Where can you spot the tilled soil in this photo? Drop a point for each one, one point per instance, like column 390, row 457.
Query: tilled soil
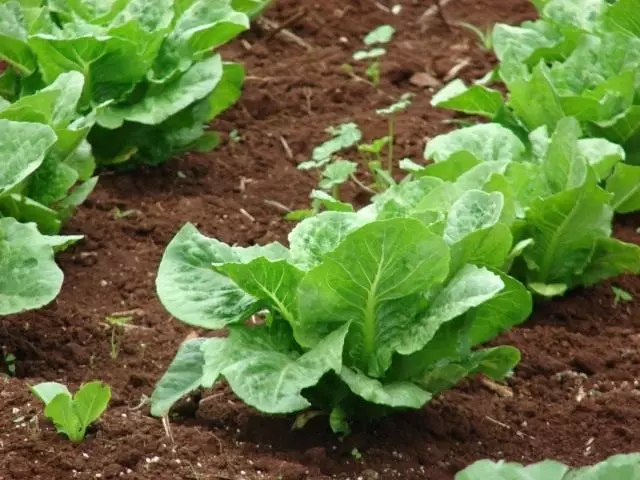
column 574, row 397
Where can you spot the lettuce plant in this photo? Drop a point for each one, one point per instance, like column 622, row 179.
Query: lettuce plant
column 358, row 317
column 549, row 200
column 29, row 276
column 579, row 60
column 72, row 415
column 37, row 165
column 48, row 164
column 150, row 67
column 618, row 467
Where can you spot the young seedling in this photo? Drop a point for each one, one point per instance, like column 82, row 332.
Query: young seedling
column 374, row 40
column 120, row 214
column 620, row 295
column 72, row 415
column 390, row 113
column 485, row 40
column 9, row 361
column 118, row 325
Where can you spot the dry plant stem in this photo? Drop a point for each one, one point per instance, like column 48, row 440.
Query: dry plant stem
column 288, row 22
column 270, row 25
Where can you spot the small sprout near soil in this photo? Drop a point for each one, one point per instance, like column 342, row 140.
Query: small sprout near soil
column 620, row 295
column 72, row 415
column 120, row 214
column 355, row 453
column 118, row 324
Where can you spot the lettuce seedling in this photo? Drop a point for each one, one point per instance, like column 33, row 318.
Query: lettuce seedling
column 618, row 467
column 357, row 318
column 72, row 415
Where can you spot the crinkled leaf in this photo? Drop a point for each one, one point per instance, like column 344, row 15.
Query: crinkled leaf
column 183, row 375
column 486, row 142
column 362, row 282
column 395, row 394
column 23, row 147
column 168, row 99
column 473, row 100
column 190, row 288
column 265, row 369
column 29, row 276
column 564, row 228
column 311, row 240
column 624, row 184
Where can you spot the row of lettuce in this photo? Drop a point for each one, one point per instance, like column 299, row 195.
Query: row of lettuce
column 89, row 84
column 380, row 308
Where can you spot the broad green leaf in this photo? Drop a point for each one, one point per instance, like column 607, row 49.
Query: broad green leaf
column 485, row 469
column 380, row 34
column 228, row 90
column 311, row 240
column 183, row 375
column 168, row 99
column 494, row 362
column 474, row 210
column 60, row 410
column 535, row 100
column 473, row 100
column 564, row 228
column 265, row 369
column 624, row 184
column 275, row 283
column 23, row 147
column 49, row 390
column 90, row 401
column 488, row 246
column 26, row 210
column 395, row 394
column 14, row 47
column 486, row 142
column 201, row 27
column 363, row 282
column 402, row 199
column 611, row 258
column 478, row 321
column 470, row 287
column 622, row 16
column 29, row 277
column 586, row 15
column 452, row 168
column 602, row 155
column 524, row 46
column 508, row 308
column 564, row 165
column 192, row 291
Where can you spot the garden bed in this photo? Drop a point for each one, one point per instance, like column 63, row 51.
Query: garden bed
column 575, row 396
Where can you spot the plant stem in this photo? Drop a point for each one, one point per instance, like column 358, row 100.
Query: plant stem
column 392, row 121
column 362, row 185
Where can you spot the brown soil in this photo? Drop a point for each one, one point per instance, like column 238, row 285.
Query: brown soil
column 574, row 397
